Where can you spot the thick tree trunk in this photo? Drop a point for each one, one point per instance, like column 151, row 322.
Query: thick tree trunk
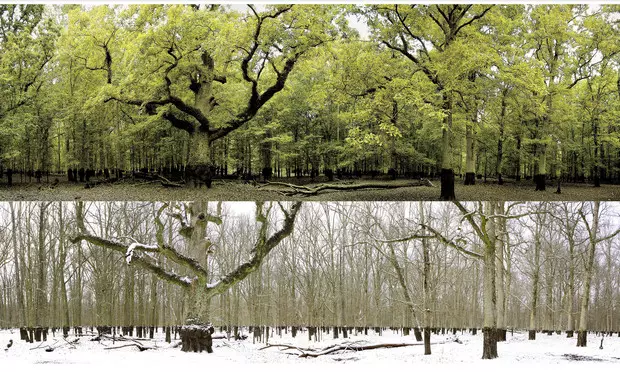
column 200, row 165
column 197, row 331
column 447, row 184
column 540, row 177
column 489, row 343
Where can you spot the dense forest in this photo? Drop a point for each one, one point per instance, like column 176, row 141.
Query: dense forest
column 505, row 91
column 420, row 265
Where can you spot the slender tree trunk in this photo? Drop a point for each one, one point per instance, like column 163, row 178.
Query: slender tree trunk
column 41, row 305
column 501, row 300
column 470, row 159
column 426, row 288
column 19, row 284
column 500, row 139
column 447, row 173
column 490, row 296
column 535, row 280
column 587, row 279
column 596, row 171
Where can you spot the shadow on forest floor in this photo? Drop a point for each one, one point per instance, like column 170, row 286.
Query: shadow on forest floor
column 582, row 358
column 239, row 191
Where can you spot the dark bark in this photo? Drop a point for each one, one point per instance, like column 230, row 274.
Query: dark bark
column 540, row 180
column 501, row 335
column 489, row 343
column 531, row 334
column 427, row 340
column 582, row 338
column 470, row 178
column 197, row 338
column 447, row 185
column 569, row 334
column 417, row 334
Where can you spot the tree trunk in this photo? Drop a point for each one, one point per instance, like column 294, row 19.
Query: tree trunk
column 501, row 300
column 535, row 279
column 596, row 171
column 197, row 331
column 200, row 164
column 41, row 308
column 470, row 161
column 490, row 300
column 62, row 258
column 500, row 139
column 426, row 289
column 587, row 280
column 19, row 284
column 447, row 173
column 541, row 177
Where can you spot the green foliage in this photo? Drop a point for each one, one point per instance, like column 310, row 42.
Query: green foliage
column 294, row 87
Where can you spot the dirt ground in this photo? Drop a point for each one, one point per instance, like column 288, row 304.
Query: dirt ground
column 238, row 191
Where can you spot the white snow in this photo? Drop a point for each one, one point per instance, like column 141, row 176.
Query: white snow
column 213, row 285
column 516, row 354
column 187, row 279
column 129, row 253
column 133, row 246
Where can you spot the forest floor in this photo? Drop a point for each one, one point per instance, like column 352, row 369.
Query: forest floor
column 449, row 353
column 228, row 190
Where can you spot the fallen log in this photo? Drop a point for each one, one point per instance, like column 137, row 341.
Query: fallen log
column 308, row 191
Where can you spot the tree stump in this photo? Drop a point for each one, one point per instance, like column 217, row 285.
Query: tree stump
column 197, row 338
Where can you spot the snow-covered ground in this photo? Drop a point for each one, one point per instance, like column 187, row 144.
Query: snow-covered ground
column 516, row 353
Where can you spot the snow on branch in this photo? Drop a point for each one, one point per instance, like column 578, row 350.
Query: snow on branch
column 140, row 247
column 137, row 258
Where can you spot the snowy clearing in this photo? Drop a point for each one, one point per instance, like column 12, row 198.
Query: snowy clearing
column 448, row 354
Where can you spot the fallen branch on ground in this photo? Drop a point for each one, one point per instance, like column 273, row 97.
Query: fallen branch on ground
column 307, row 191
column 141, row 348
column 348, row 346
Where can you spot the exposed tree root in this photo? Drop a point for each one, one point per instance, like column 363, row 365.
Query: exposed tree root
column 293, row 190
